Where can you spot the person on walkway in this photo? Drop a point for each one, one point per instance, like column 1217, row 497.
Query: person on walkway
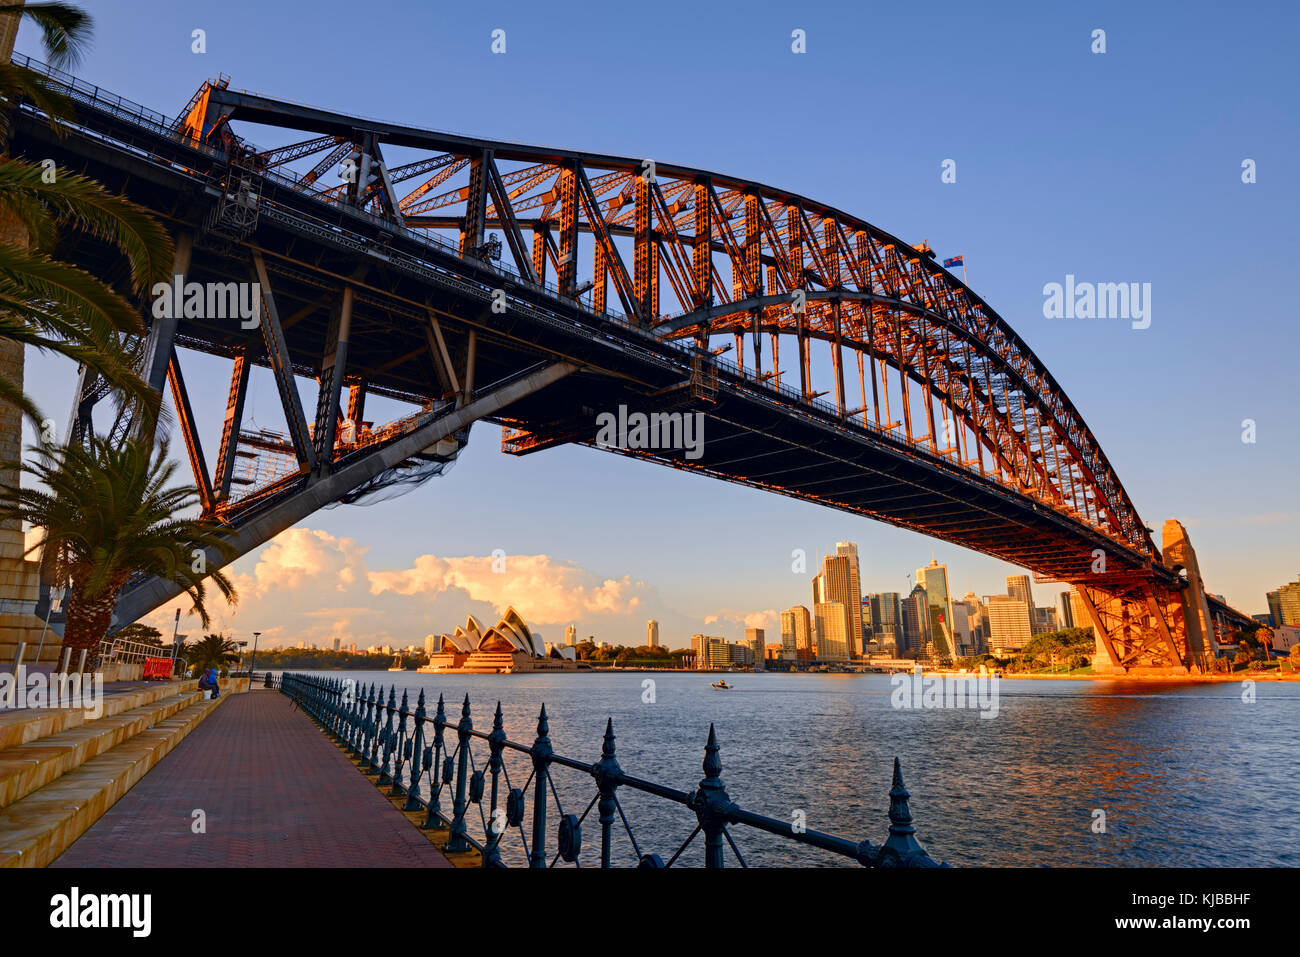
column 208, row 682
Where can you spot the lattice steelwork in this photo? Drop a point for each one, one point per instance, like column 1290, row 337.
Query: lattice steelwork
column 629, row 278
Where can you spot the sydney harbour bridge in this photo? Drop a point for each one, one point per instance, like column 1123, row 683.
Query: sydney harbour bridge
column 537, row 287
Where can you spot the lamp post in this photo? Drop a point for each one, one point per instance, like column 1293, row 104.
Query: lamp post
column 56, row 598
column 253, row 662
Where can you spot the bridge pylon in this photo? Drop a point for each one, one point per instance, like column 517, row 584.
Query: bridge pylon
column 1143, row 625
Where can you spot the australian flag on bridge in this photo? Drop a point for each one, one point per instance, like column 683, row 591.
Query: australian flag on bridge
column 954, row 261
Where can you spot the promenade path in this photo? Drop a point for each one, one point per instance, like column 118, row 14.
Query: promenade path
column 276, row 793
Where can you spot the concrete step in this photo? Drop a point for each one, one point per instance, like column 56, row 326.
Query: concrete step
column 19, row 727
column 26, row 768
column 41, row 826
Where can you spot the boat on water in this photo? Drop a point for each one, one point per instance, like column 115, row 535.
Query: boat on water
column 397, row 664
column 722, row 685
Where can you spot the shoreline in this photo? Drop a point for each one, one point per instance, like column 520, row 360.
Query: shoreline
column 1183, row 679
column 1238, row 677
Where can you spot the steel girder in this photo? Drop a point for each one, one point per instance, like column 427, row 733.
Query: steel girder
column 859, row 289
column 864, row 284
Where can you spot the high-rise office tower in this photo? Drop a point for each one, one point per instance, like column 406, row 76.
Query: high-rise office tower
column 1065, row 609
column 916, row 621
column 1018, row 587
column 571, row 635
column 837, row 582
column 849, row 550
column 652, row 633
column 1009, row 624
column 1044, row 621
column 934, row 579
column 796, row 633
column 1284, row 604
column 833, row 624
column 756, row 638
column 887, row 620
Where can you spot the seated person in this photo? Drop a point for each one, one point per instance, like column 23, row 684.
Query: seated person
column 208, row 682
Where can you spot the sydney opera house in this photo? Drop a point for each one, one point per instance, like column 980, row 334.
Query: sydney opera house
column 508, row 647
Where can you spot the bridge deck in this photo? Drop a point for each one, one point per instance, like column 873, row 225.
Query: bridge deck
column 276, row 793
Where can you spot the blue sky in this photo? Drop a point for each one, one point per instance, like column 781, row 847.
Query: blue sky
column 1115, row 167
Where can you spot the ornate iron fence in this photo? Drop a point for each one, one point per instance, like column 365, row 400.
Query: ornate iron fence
column 431, row 761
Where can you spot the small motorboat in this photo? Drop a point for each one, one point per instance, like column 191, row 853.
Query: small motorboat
column 722, row 685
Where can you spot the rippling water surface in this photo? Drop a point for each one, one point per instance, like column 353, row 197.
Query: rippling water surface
column 1187, row 774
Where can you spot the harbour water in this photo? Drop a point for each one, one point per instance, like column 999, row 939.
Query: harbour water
column 1185, row 774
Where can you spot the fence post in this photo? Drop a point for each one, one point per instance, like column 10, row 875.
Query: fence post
column 541, row 762
column 496, row 827
column 901, row 848
column 607, row 775
column 334, row 712
column 431, row 820
column 371, row 728
column 376, row 705
column 417, row 752
column 384, row 776
column 710, row 802
column 456, row 840
column 400, row 747
column 350, row 730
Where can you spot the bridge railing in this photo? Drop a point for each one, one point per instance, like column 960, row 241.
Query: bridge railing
column 459, row 778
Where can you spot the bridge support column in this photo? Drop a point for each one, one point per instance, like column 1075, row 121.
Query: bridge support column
column 1179, row 555
column 1134, row 631
column 230, row 429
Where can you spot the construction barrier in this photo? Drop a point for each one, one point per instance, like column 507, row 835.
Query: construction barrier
column 157, row 668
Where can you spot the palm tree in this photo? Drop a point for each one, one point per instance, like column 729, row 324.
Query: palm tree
column 211, row 651
column 45, row 303
column 108, row 514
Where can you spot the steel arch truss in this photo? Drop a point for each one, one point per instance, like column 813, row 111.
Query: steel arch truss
column 696, row 254
column 383, row 250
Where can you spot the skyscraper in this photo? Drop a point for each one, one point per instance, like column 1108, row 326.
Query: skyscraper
column 837, row 582
column 887, row 620
column 934, row 579
column 916, row 622
column 796, row 633
column 833, row 624
column 849, row 550
column 652, row 633
column 1018, row 587
column 571, row 635
column 1284, row 604
column 756, row 638
column 978, row 625
column 1065, row 608
column 1009, row 625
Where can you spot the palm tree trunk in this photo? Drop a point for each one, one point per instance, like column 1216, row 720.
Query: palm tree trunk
column 88, row 619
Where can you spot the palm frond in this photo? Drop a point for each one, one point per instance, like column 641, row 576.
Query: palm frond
column 65, row 31
column 81, row 202
column 11, row 393
column 18, row 83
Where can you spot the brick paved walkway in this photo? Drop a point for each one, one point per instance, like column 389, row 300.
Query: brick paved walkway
column 276, row 791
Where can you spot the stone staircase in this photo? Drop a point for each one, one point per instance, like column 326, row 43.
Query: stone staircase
column 61, row 769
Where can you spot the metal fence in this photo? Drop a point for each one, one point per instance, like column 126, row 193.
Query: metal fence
column 439, row 765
